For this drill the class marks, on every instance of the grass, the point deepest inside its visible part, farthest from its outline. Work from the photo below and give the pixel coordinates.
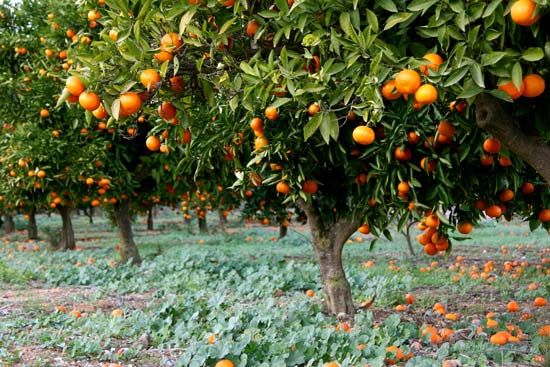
(247, 292)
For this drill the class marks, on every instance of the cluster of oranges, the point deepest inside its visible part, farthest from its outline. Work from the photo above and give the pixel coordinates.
(533, 85)
(431, 239)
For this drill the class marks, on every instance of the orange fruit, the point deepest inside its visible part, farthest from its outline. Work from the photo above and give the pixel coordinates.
(403, 187)
(409, 298)
(512, 306)
(413, 137)
(402, 155)
(257, 125)
(486, 160)
(544, 215)
(407, 81)
(313, 109)
(100, 113)
(75, 86)
(227, 3)
(427, 164)
(260, 143)
(500, 338)
(44, 113)
(506, 195)
(271, 113)
(163, 56)
(170, 42)
(310, 293)
(224, 363)
(527, 188)
(465, 227)
(94, 15)
(282, 188)
(177, 84)
(534, 85)
(430, 249)
(252, 27)
(446, 128)
(310, 187)
(130, 103)
(153, 143)
(491, 145)
(389, 91)
(150, 78)
(363, 135)
(523, 11)
(426, 94)
(364, 229)
(504, 161)
(510, 89)
(435, 61)
(89, 101)
(113, 34)
(41, 174)
(494, 211)
(432, 221)
(167, 110)
(540, 302)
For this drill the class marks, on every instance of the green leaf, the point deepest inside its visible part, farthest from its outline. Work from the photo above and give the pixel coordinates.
(396, 19)
(226, 25)
(471, 91)
(477, 75)
(492, 58)
(533, 54)
(64, 95)
(313, 125)
(347, 27)
(185, 20)
(517, 75)
(372, 20)
(115, 109)
(491, 8)
(456, 76)
(325, 128)
(421, 5)
(388, 5)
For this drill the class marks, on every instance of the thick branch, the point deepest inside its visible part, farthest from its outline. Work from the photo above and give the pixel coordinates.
(492, 117)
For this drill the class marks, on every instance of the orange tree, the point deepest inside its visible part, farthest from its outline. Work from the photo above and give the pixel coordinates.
(45, 152)
(372, 109)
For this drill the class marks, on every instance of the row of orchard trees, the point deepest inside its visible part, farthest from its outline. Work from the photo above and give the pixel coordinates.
(56, 157)
(360, 114)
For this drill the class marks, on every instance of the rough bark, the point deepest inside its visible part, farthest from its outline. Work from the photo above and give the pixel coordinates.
(493, 117)
(283, 231)
(203, 226)
(223, 220)
(127, 247)
(150, 224)
(9, 225)
(67, 240)
(328, 244)
(32, 228)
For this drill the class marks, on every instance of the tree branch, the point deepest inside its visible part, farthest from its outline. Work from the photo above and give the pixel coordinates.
(492, 117)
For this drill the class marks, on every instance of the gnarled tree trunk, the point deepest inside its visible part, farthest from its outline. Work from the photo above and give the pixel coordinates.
(494, 118)
(203, 226)
(67, 241)
(283, 230)
(328, 244)
(150, 224)
(32, 229)
(9, 225)
(127, 247)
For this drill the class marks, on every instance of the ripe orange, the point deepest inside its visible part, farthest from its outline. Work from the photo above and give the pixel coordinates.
(427, 164)
(512, 306)
(252, 27)
(506, 195)
(260, 143)
(534, 85)
(402, 155)
(430, 249)
(465, 227)
(153, 143)
(167, 110)
(491, 145)
(446, 128)
(435, 60)
(94, 15)
(486, 160)
(89, 101)
(150, 78)
(363, 135)
(426, 94)
(163, 56)
(224, 363)
(409, 298)
(523, 12)
(310, 293)
(413, 137)
(75, 86)
(364, 229)
(313, 109)
(41, 174)
(170, 42)
(403, 187)
(310, 187)
(130, 103)
(113, 34)
(389, 91)
(540, 302)
(100, 113)
(257, 125)
(228, 3)
(49, 53)
(500, 338)
(432, 221)
(494, 211)
(504, 161)
(44, 113)
(527, 188)
(407, 81)
(544, 215)
(177, 84)
(272, 113)
(510, 89)
(282, 188)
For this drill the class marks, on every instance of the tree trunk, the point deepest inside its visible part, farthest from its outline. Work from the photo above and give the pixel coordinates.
(328, 244)
(492, 117)
(32, 229)
(127, 247)
(223, 220)
(9, 226)
(90, 214)
(283, 231)
(203, 226)
(407, 235)
(188, 225)
(150, 225)
(67, 241)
